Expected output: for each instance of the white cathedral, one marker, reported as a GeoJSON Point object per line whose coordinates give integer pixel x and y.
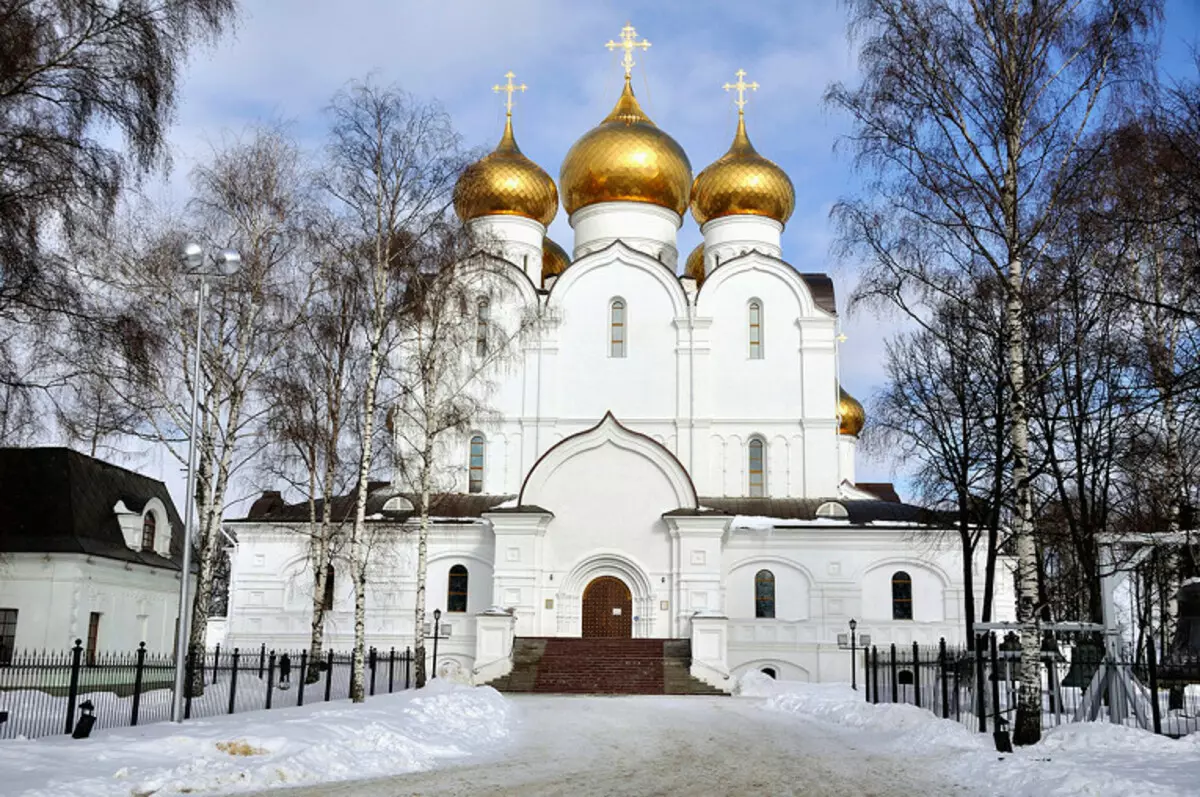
{"type": "Point", "coordinates": [671, 456]}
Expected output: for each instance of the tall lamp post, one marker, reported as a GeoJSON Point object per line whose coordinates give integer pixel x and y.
{"type": "Point", "coordinates": [225, 263]}
{"type": "Point", "coordinates": [853, 656]}
{"type": "Point", "coordinates": [437, 627]}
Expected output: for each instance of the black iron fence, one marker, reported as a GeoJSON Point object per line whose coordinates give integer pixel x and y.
{"type": "Point", "coordinates": [1078, 683]}
{"type": "Point", "coordinates": [41, 693]}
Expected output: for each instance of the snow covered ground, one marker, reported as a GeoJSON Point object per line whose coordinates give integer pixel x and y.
{"type": "Point", "coordinates": [773, 738]}
{"type": "Point", "coordinates": [319, 743]}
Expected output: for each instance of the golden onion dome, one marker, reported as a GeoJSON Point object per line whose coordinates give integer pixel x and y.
{"type": "Point", "coordinates": [554, 260]}
{"type": "Point", "coordinates": [851, 415]}
{"type": "Point", "coordinates": [742, 183]}
{"type": "Point", "coordinates": [506, 183]}
{"type": "Point", "coordinates": [694, 267]}
{"type": "Point", "coordinates": [626, 158]}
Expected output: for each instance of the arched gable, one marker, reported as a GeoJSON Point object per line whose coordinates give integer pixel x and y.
{"type": "Point", "coordinates": [755, 261]}
{"type": "Point", "coordinates": [609, 432]}
{"type": "Point", "coordinates": [620, 254]}
{"type": "Point", "coordinates": [513, 273]}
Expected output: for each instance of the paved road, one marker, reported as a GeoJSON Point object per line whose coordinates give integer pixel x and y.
{"type": "Point", "coordinates": [661, 746]}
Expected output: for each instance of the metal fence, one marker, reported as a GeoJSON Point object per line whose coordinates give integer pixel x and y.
{"type": "Point", "coordinates": [41, 693]}
{"type": "Point", "coordinates": [979, 687]}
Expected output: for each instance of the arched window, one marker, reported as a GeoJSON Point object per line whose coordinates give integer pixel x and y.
{"type": "Point", "coordinates": [769, 672]}
{"type": "Point", "coordinates": [616, 344]}
{"type": "Point", "coordinates": [481, 327]}
{"type": "Point", "coordinates": [327, 598]}
{"type": "Point", "coordinates": [149, 524]}
{"type": "Point", "coordinates": [456, 591]}
{"type": "Point", "coordinates": [902, 608]}
{"type": "Point", "coordinates": [756, 341]}
{"type": "Point", "coordinates": [475, 481]}
{"type": "Point", "coordinates": [764, 594]}
{"type": "Point", "coordinates": [758, 480]}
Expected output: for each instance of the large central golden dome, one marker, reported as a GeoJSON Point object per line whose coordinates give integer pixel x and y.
{"type": "Point", "coordinates": [742, 183]}
{"type": "Point", "coordinates": [626, 158]}
{"type": "Point", "coordinates": [506, 183]}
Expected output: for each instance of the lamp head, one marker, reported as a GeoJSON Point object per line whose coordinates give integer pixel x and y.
{"type": "Point", "coordinates": [437, 614]}
{"type": "Point", "coordinates": [192, 256]}
{"type": "Point", "coordinates": [853, 624]}
{"type": "Point", "coordinates": [229, 262]}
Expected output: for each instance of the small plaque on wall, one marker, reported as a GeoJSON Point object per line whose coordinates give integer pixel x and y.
{"type": "Point", "coordinates": [616, 610]}
{"type": "Point", "coordinates": [549, 603]}
{"type": "Point", "coordinates": [699, 557]}
{"type": "Point", "coordinates": [513, 554]}
{"type": "Point", "coordinates": [664, 605]}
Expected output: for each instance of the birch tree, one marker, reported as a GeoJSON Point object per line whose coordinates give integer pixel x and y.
{"type": "Point", "coordinates": [968, 118]}
{"type": "Point", "coordinates": [392, 166]}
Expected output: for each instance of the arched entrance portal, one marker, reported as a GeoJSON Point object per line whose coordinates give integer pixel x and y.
{"type": "Point", "coordinates": [607, 608]}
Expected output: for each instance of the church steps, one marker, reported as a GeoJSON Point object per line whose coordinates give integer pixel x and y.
{"type": "Point", "coordinates": [562, 665]}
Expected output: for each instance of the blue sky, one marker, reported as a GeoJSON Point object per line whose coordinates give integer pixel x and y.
{"type": "Point", "coordinates": [287, 58]}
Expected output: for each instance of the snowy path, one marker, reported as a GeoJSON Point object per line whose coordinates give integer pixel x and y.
{"type": "Point", "coordinates": [663, 746]}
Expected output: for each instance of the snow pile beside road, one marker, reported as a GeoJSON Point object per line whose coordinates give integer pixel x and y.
{"type": "Point", "coordinates": [387, 735]}
{"type": "Point", "coordinates": [1095, 759]}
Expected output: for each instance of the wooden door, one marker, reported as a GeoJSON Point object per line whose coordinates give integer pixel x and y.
{"type": "Point", "coordinates": [607, 609]}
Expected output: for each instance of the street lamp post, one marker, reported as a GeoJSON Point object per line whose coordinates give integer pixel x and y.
{"type": "Point", "coordinates": [853, 656]}
{"type": "Point", "coordinates": [224, 264]}
{"type": "Point", "coordinates": [437, 623]}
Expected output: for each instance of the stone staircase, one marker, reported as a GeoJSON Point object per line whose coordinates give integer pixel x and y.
{"type": "Point", "coordinates": [563, 665]}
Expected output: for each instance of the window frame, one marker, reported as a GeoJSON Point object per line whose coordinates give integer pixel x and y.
{"type": "Point", "coordinates": [8, 634]}
{"type": "Point", "coordinates": [618, 348]}
{"type": "Point", "coordinates": [902, 603]}
{"type": "Point", "coordinates": [457, 600]}
{"type": "Point", "coordinates": [764, 605]}
{"type": "Point", "coordinates": [762, 467]}
{"type": "Point", "coordinates": [754, 329]}
{"type": "Point", "coordinates": [483, 309]}
{"type": "Point", "coordinates": [476, 472]}
{"type": "Point", "coordinates": [149, 525]}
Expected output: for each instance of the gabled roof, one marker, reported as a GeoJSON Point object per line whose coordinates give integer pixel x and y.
{"type": "Point", "coordinates": [858, 512]}
{"type": "Point", "coordinates": [271, 508]}
{"type": "Point", "coordinates": [55, 500]}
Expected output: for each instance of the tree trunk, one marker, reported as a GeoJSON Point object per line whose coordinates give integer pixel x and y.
{"type": "Point", "coordinates": [422, 569]}
{"type": "Point", "coordinates": [358, 546]}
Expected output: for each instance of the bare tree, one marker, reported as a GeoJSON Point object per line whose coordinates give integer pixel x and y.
{"type": "Point", "coordinates": [969, 114]}
{"type": "Point", "coordinates": [392, 166]}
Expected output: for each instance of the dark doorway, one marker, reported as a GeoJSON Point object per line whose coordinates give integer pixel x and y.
{"type": "Point", "coordinates": [607, 609]}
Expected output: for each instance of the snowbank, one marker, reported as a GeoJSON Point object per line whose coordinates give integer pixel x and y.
{"type": "Point", "coordinates": [387, 735]}
{"type": "Point", "coordinates": [1096, 759]}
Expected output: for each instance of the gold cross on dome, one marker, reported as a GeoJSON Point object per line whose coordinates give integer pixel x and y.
{"type": "Point", "coordinates": [508, 89]}
{"type": "Point", "coordinates": [741, 87]}
{"type": "Point", "coordinates": [628, 43]}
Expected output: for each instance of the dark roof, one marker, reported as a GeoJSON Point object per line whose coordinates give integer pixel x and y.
{"type": "Point", "coordinates": [805, 509]}
{"type": "Point", "coordinates": [884, 491]}
{"type": "Point", "coordinates": [271, 508]}
{"type": "Point", "coordinates": [821, 286]}
{"type": "Point", "coordinates": [55, 500]}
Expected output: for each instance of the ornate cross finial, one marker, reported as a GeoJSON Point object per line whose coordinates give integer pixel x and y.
{"type": "Point", "coordinates": [628, 44]}
{"type": "Point", "coordinates": [508, 89]}
{"type": "Point", "coordinates": [741, 87]}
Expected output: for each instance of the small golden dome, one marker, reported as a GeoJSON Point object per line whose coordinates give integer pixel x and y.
{"type": "Point", "coordinates": [694, 267]}
{"type": "Point", "coordinates": [626, 158]}
{"type": "Point", "coordinates": [506, 183]}
{"type": "Point", "coordinates": [851, 415]}
{"type": "Point", "coordinates": [554, 260]}
{"type": "Point", "coordinates": [742, 183]}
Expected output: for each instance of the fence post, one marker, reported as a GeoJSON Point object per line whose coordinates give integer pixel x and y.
{"type": "Point", "coordinates": [980, 687]}
{"type": "Point", "coordinates": [867, 674]}
{"type": "Point", "coordinates": [917, 674]}
{"type": "Point", "coordinates": [270, 678]}
{"type": "Point", "coordinates": [407, 665]}
{"type": "Point", "coordinates": [373, 659]}
{"type": "Point", "coordinates": [303, 676]}
{"type": "Point", "coordinates": [73, 692]}
{"type": "Point", "coordinates": [328, 676]}
{"type": "Point", "coordinates": [137, 682]}
{"type": "Point", "coordinates": [391, 667]}
{"type": "Point", "coordinates": [216, 661]}
{"type": "Point", "coordinates": [895, 675]}
{"type": "Point", "coordinates": [875, 673]}
{"type": "Point", "coordinates": [1152, 661]}
{"type": "Point", "coordinates": [942, 677]}
{"type": "Point", "coordinates": [262, 659]}
{"type": "Point", "coordinates": [190, 665]}
{"type": "Point", "coordinates": [233, 679]}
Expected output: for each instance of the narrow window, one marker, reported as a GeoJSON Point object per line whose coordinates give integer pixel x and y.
{"type": "Point", "coordinates": [755, 331]}
{"type": "Point", "coordinates": [148, 525]}
{"type": "Point", "coordinates": [327, 598]}
{"type": "Point", "coordinates": [93, 638]}
{"type": "Point", "coordinates": [8, 635]}
{"type": "Point", "coordinates": [456, 593]}
{"type": "Point", "coordinates": [617, 337]}
{"type": "Point", "coordinates": [475, 484]}
{"type": "Point", "coordinates": [769, 672]}
{"type": "Point", "coordinates": [481, 327]}
{"type": "Point", "coordinates": [757, 479]}
{"type": "Point", "coordinates": [902, 608]}
{"type": "Point", "coordinates": [764, 594]}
